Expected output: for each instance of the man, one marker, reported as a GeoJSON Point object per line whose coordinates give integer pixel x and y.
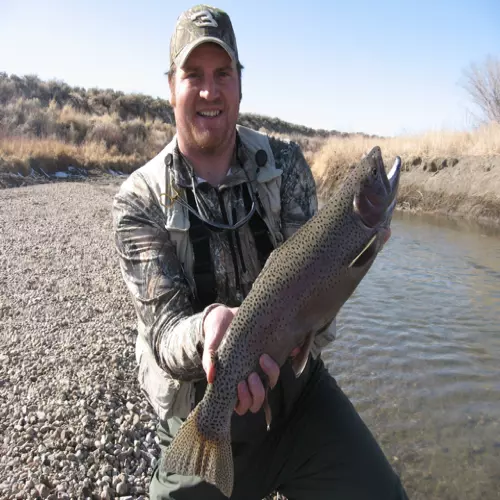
{"type": "Point", "coordinates": [193, 228]}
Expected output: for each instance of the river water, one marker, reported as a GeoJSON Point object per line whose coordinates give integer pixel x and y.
{"type": "Point", "coordinates": [418, 353]}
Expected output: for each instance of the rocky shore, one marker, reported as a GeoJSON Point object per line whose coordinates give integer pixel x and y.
{"type": "Point", "coordinates": [73, 422]}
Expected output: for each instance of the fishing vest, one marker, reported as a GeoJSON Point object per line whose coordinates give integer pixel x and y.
{"type": "Point", "coordinates": [170, 397]}
{"type": "Point", "coordinates": [203, 271]}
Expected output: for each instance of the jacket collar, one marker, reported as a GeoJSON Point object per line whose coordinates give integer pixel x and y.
{"type": "Point", "coordinates": [244, 165]}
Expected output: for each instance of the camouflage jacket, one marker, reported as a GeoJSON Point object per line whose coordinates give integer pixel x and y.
{"type": "Point", "coordinates": [156, 256]}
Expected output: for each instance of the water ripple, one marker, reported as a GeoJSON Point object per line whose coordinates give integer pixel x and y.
{"type": "Point", "coordinates": [418, 353]}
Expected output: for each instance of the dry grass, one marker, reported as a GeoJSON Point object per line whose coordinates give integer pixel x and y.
{"type": "Point", "coordinates": [49, 126]}
{"type": "Point", "coordinates": [310, 145]}
{"type": "Point", "coordinates": [54, 137]}
{"type": "Point", "coordinates": [331, 162]}
{"type": "Point", "coordinates": [61, 125]}
{"type": "Point", "coordinates": [452, 173]}
{"type": "Point", "coordinates": [19, 154]}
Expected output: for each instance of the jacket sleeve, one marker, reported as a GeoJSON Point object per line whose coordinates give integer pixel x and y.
{"type": "Point", "coordinates": [298, 190]}
{"type": "Point", "coordinates": [155, 279]}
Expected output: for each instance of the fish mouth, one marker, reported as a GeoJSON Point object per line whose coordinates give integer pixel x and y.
{"type": "Point", "coordinates": [376, 202]}
{"type": "Point", "coordinates": [393, 178]}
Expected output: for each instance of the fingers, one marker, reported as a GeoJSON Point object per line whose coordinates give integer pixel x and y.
{"type": "Point", "coordinates": [251, 395]}
{"type": "Point", "coordinates": [209, 365]}
{"type": "Point", "coordinates": [215, 326]}
{"type": "Point", "coordinates": [208, 362]}
{"type": "Point", "coordinates": [244, 399]}
{"type": "Point", "coordinates": [270, 368]}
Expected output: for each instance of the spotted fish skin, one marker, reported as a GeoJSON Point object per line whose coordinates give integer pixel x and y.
{"type": "Point", "coordinates": [301, 289]}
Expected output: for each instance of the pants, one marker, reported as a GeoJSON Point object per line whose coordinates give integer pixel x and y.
{"type": "Point", "coordinates": [321, 450]}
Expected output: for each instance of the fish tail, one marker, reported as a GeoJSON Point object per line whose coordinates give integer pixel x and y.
{"type": "Point", "coordinates": [191, 453]}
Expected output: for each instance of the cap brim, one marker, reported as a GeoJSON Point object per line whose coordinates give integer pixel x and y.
{"type": "Point", "coordinates": [186, 51]}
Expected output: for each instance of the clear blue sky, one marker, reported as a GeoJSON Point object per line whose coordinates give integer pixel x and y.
{"type": "Point", "coordinates": [385, 67]}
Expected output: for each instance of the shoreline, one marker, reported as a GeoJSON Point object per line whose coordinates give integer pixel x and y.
{"type": "Point", "coordinates": [465, 188]}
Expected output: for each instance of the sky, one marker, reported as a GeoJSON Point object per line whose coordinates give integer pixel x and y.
{"type": "Point", "coordinates": [383, 67]}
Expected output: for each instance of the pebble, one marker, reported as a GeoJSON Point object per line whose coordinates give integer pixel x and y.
{"type": "Point", "coordinates": [62, 487]}
{"type": "Point", "coordinates": [105, 494]}
{"type": "Point", "coordinates": [73, 416]}
{"type": "Point", "coordinates": [29, 485]}
{"type": "Point", "coordinates": [43, 490]}
{"type": "Point", "coordinates": [122, 488]}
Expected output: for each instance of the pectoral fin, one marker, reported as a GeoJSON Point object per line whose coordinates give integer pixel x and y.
{"type": "Point", "coordinates": [365, 254]}
{"type": "Point", "coordinates": [299, 362]}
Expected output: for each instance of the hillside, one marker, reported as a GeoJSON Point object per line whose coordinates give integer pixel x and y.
{"type": "Point", "coordinates": [46, 127]}
{"type": "Point", "coordinates": [100, 102]}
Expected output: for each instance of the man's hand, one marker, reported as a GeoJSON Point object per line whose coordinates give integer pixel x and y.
{"type": "Point", "coordinates": [251, 392]}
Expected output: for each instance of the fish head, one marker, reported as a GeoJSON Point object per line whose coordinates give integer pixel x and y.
{"type": "Point", "coordinates": [373, 203]}
{"type": "Point", "coordinates": [375, 198]}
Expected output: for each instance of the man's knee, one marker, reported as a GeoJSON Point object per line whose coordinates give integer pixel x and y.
{"type": "Point", "coordinates": [332, 452]}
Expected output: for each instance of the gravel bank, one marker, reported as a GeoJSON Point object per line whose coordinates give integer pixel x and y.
{"type": "Point", "coordinates": [73, 422]}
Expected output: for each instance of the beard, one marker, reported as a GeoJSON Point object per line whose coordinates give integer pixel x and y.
{"type": "Point", "coordinates": [209, 141]}
{"type": "Point", "coordinates": [208, 138]}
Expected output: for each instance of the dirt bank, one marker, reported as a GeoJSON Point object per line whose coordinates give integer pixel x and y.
{"type": "Point", "coordinates": [445, 172]}
{"type": "Point", "coordinates": [467, 187]}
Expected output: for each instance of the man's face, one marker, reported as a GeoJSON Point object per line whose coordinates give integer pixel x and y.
{"type": "Point", "coordinates": [205, 95]}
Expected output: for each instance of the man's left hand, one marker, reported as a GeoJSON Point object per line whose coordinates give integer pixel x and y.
{"type": "Point", "coordinates": [251, 392]}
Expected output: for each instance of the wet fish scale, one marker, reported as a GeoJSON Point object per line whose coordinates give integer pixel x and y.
{"type": "Point", "coordinates": [300, 290]}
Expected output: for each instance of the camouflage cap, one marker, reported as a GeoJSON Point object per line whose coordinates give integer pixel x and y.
{"type": "Point", "coordinates": [201, 24]}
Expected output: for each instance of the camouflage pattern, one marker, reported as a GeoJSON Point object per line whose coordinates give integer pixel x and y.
{"type": "Point", "coordinates": [198, 24]}
{"type": "Point", "coordinates": [154, 275]}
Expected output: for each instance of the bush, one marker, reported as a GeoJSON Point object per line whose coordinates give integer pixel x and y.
{"type": "Point", "coordinates": [108, 132]}
{"type": "Point", "coordinates": [482, 82]}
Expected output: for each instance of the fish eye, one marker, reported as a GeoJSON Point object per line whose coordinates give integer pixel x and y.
{"type": "Point", "coordinates": [374, 171]}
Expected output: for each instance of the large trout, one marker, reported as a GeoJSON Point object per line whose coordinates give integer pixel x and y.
{"type": "Point", "coordinates": [299, 291]}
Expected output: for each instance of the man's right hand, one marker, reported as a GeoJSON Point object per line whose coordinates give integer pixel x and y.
{"type": "Point", "coordinates": [251, 392]}
{"type": "Point", "coordinates": [215, 325]}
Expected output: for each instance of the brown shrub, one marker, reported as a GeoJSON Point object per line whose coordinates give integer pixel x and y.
{"type": "Point", "coordinates": [108, 132]}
